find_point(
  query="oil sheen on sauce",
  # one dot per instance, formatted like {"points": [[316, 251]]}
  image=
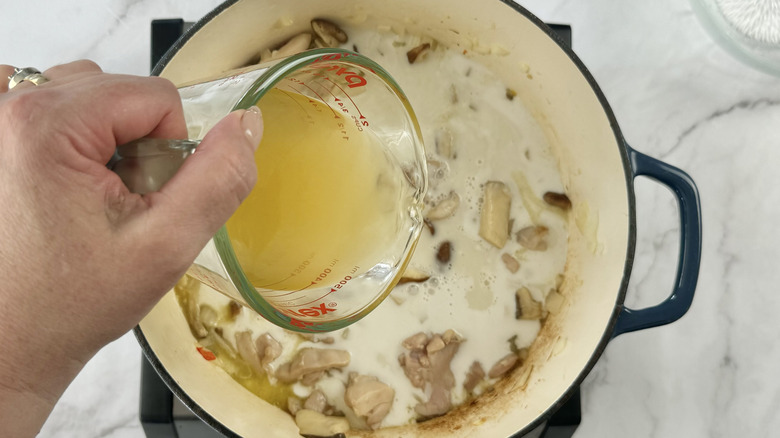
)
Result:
{"points": [[493, 138]]}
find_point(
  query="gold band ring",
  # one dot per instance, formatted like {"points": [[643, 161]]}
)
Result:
{"points": [[28, 74]]}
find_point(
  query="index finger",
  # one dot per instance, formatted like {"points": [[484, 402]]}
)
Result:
{"points": [[106, 110]]}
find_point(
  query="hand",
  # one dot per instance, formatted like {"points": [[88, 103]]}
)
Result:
{"points": [[82, 259]]}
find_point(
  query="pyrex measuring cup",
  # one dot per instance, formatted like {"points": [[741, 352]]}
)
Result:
{"points": [[336, 213]]}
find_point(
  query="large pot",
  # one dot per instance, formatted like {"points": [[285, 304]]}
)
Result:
{"points": [[598, 169]]}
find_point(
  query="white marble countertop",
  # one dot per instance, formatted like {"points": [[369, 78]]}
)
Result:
{"points": [[677, 96]]}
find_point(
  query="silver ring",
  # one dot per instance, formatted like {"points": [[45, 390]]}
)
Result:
{"points": [[28, 74]]}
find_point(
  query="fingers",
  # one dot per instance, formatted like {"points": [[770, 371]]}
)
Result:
{"points": [[97, 111], [59, 73], [136, 107], [211, 184], [62, 71], [5, 73], [113, 110]]}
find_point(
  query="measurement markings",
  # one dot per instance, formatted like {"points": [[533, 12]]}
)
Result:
{"points": [[348, 97], [290, 292], [322, 100]]}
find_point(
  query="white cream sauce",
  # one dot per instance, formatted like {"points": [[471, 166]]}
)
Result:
{"points": [[474, 294]]}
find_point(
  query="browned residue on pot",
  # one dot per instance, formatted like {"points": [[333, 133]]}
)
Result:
{"points": [[493, 405]]}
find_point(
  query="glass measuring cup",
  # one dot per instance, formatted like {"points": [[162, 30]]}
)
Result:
{"points": [[336, 213]]}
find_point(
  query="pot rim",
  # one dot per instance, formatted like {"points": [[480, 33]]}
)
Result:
{"points": [[630, 249]]}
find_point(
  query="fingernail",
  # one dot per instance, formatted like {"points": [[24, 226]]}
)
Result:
{"points": [[252, 122]]}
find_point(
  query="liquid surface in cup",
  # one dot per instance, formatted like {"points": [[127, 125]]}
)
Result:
{"points": [[325, 206]]}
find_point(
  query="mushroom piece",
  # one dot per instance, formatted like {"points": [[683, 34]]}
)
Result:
{"points": [[311, 361], [413, 275], [494, 217], [294, 45], [427, 366], [268, 349], [418, 53], [510, 262], [533, 237], [504, 365], [444, 254], [316, 401], [475, 375], [526, 306], [369, 398], [311, 423], [327, 33], [248, 352], [215, 342], [234, 309], [294, 405], [559, 200], [445, 208], [187, 289]]}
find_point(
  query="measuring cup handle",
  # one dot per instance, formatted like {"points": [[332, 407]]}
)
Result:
{"points": [[146, 164]]}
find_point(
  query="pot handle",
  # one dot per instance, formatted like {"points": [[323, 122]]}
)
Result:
{"points": [[678, 303]]}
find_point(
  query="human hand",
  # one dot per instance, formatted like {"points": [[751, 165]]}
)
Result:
{"points": [[83, 259]]}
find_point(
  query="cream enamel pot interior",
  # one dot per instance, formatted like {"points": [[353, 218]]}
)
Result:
{"points": [[598, 170]]}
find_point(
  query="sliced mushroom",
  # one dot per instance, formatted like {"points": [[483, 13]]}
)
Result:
{"points": [[559, 200], [413, 275], [369, 398], [215, 339], [234, 309], [311, 423], [510, 262], [311, 379], [328, 33], [248, 352], [503, 366], [427, 365], [474, 376], [526, 306], [415, 342], [294, 405], [429, 225], [294, 45], [418, 53], [312, 360], [193, 318], [444, 253], [533, 237], [316, 401], [187, 289], [297, 44], [445, 208], [494, 218], [268, 349]]}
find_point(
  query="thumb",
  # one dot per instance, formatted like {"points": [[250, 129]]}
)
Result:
{"points": [[212, 182]]}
